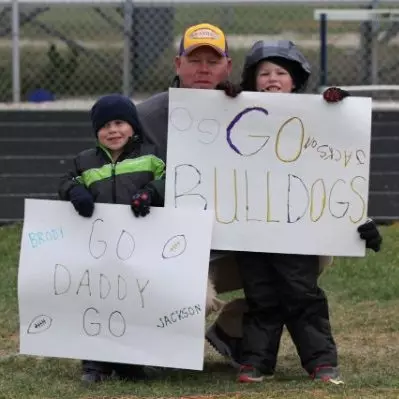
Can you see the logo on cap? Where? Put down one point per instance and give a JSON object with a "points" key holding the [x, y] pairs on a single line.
{"points": [[204, 33]]}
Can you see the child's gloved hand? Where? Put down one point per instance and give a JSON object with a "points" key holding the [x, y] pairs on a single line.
{"points": [[230, 89], [369, 232], [82, 200], [141, 202], [335, 94]]}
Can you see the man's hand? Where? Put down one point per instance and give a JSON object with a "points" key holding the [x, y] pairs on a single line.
{"points": [[230, 89], [369, 232], [141, 202], [335, 94], [82, 200]]}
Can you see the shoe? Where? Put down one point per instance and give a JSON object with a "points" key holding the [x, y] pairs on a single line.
{"points": [[327, 374], [252, 374], [92, 377], [130, 372], [227, 346]]}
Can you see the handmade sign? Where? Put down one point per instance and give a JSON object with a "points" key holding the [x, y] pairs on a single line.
{"points": [[284, 173], [114, 287]]}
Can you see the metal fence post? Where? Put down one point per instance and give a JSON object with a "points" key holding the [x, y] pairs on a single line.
{"points": [[127, 47], [323, 50], [375, 27], [16, 66]]}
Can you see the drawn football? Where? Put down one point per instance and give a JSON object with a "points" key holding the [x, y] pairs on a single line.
{"points": [[175, 246], [39, 324]]}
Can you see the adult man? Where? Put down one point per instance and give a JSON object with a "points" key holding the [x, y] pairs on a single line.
{"points": [[202, 62]]}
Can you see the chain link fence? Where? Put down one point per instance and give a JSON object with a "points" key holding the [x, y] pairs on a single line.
{"points": [[84, 50]]}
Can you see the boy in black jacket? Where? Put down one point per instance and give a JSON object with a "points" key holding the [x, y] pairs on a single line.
{"points": [[120, 170]]}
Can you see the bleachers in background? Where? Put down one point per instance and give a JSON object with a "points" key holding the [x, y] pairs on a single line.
{"points": [[36, 147], [384, 167]]}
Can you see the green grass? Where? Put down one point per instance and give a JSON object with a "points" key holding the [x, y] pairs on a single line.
{"points": [[364, 300]]}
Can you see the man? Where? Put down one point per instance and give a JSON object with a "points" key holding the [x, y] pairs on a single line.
{"points": [[202, 62]]}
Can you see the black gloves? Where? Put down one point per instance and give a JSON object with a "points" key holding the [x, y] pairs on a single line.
{"points": [[230, 89], [335, 94], [141, 202], [82, 200], [369, 232], [153, 194]]}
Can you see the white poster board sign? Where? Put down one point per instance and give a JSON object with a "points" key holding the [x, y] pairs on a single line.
{"points": [[114, 287], [285, 173]]}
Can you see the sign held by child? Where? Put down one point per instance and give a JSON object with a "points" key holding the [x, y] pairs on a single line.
{"points": [[114, 287], [284, 173]]}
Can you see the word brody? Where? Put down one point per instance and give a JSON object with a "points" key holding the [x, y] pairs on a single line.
{"points": [[38, 238], [252, 196]]}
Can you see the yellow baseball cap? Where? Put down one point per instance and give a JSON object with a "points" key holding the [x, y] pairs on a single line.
{"points": [[203, 35]]}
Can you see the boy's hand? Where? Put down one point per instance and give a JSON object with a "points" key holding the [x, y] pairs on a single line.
{"points": [[369, 231], [335, 94], [82, 200], [141, 202], [230, 89]]}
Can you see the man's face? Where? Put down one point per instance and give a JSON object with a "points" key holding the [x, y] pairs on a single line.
{"points": [[202, 68]]}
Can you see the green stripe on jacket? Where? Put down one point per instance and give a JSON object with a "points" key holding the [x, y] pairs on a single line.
{"points": [[145, 163]]}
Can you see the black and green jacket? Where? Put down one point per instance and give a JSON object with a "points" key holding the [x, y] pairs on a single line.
{"points": [[116, 182]]}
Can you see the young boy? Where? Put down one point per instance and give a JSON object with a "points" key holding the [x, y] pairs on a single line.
{"points": [[282, 289], [120, 170]]}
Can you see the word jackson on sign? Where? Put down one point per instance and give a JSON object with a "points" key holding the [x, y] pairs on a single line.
{"points": [[114, 287], [284, 173]]}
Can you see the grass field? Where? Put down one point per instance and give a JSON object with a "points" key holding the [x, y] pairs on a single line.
{"points": [[364, 299]]}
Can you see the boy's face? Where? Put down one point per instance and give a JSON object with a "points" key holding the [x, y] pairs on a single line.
{"points": [[273, 78], [115, 134]]}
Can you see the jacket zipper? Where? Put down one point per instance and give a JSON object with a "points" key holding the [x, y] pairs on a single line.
{"points": [[113, 166], [113, 183], [113, 175], [114, 178]]}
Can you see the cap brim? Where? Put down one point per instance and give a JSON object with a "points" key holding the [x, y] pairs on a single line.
{"points": [[190, 49]]}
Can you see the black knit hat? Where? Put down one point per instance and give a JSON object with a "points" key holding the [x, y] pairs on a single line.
{"points": [[115, 107]]}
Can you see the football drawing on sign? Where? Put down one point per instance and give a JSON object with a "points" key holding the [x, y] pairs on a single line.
{"points": [[174, 247], [40, 324]]}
